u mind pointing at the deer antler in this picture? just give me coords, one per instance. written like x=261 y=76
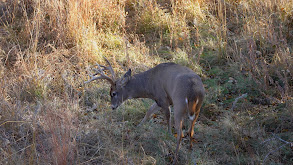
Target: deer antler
x=100 y=71
x=109 y=68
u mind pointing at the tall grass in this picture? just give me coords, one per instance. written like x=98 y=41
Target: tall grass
x=48 y=116
x=264 y=45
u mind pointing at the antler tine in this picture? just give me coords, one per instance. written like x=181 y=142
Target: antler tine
x=94 y=78
x=102 y=75
x=110 y=68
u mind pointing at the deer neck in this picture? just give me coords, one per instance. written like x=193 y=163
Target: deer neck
x=138 y=87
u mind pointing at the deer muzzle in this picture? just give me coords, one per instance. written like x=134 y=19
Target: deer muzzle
x=113 y=107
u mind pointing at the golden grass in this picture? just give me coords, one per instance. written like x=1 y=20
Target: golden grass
x=46 y=46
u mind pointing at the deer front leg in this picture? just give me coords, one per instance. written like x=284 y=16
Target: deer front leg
x=154 y=108
x=167 y=112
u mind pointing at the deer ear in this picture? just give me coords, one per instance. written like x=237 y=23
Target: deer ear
x=126 y=78
x=128 y=73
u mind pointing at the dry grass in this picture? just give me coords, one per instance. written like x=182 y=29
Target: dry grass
x=47 y=115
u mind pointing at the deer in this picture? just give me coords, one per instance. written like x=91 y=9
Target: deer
x=168 y=84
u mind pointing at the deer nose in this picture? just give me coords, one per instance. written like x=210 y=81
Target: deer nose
x=113 y=107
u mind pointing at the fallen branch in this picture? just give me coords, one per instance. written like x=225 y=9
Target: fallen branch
x=236 y=100
x=278 y=138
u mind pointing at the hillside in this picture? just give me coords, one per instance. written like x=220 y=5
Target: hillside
x=241 y=49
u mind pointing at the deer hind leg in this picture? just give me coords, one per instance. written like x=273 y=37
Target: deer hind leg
x=191 y=129
x=193 y=107
x=179 y=112
x=154 y=108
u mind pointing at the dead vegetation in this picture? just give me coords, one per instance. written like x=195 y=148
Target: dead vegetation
x=48 y=116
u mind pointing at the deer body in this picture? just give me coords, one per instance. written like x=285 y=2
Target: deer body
x=167 y=84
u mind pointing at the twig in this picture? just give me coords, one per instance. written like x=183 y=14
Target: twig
x=272 y=152
x=13 y=122
x=278 y=138
x=16 y=152
x=284 y=140
x=236 y=100
x=86 y=162
x=268 y=140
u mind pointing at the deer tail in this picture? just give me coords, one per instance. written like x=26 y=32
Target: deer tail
x=191 y=108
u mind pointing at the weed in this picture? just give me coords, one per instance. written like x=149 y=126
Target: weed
x=48 y=115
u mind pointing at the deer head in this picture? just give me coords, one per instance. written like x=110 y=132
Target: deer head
x=117 y=91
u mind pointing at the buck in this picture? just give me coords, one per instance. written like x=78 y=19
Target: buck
x=167 y=84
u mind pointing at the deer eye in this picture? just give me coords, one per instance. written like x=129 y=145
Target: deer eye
x=114 y=94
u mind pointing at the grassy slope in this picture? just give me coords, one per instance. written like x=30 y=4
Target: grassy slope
x=47 y=115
